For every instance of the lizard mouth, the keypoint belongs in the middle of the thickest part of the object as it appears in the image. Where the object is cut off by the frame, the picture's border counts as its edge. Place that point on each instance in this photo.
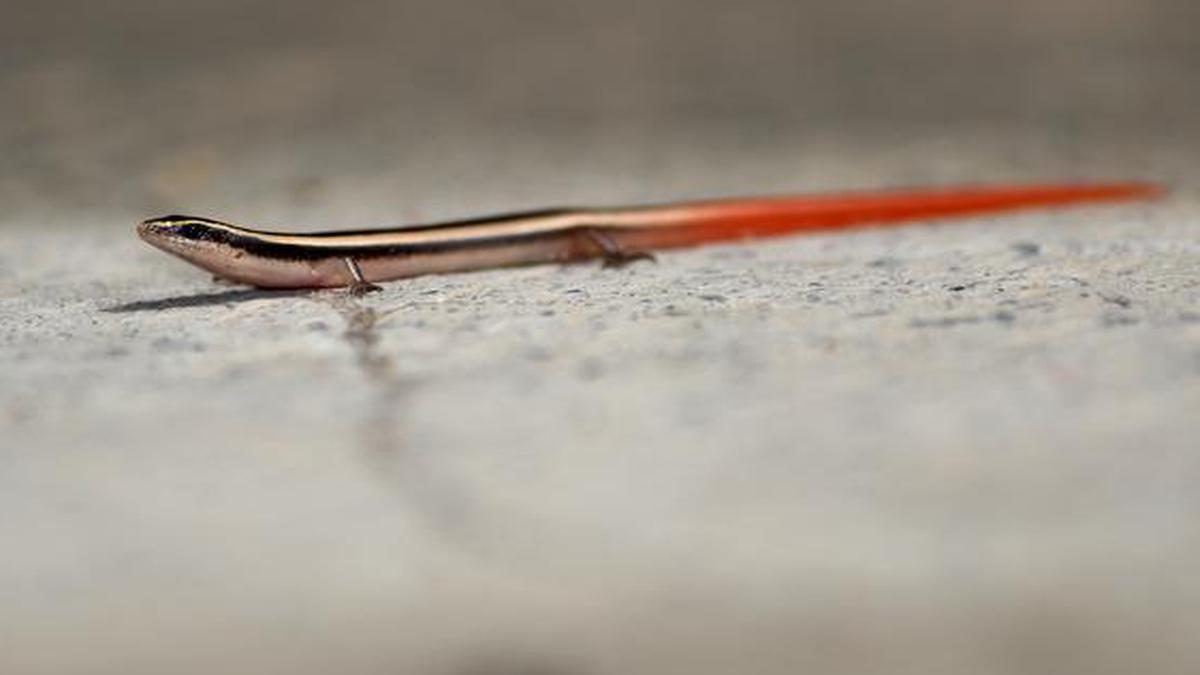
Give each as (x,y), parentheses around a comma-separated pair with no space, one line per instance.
(180,235)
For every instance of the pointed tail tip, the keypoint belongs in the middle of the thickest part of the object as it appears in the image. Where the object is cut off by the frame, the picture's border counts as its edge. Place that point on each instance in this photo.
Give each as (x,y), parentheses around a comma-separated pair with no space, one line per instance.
(1131,190)
(1085,192)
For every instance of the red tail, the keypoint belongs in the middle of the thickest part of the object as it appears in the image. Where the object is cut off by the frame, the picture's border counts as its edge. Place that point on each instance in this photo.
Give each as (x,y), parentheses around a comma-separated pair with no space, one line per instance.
(690,224)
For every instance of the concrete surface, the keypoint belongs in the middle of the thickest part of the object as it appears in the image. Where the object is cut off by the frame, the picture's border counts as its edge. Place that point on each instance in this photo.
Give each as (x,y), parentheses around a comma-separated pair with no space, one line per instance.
(952,448)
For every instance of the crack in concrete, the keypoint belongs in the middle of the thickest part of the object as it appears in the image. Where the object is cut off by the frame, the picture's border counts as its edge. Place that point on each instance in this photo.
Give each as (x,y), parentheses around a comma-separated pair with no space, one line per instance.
(451,510)
(381,437)
(385,452)
(363,338)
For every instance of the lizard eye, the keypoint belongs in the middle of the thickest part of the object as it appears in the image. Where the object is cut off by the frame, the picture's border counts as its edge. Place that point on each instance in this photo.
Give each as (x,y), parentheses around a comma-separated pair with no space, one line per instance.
(193,231)
(179,227)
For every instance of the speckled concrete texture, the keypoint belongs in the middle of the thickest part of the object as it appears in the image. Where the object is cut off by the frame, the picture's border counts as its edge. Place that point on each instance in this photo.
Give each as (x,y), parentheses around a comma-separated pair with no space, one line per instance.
(956,447)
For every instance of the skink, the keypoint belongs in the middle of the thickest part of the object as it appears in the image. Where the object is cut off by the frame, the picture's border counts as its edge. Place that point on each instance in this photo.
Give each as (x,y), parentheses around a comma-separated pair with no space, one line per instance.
(356,259)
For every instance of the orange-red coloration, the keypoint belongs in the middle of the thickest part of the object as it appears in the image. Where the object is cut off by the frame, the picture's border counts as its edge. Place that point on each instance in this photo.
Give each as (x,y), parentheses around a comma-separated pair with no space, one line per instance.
(281,260)
(752,218)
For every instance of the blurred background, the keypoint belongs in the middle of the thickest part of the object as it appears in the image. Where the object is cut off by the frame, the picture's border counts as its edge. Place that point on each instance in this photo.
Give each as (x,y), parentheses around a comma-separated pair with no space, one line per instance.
(948,449)
(392,110)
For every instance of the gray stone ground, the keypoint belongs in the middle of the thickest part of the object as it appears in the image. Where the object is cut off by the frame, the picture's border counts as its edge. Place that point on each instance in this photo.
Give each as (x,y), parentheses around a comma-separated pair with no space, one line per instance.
(952,448)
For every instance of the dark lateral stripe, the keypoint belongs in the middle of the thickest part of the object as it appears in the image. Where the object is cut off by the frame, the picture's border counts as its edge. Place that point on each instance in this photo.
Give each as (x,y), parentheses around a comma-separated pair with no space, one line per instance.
(291,251)
(488,220)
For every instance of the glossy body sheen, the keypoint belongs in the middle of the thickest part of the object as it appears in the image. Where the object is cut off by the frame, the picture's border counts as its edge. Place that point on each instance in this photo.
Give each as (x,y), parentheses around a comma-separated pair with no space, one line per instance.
(331,259)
